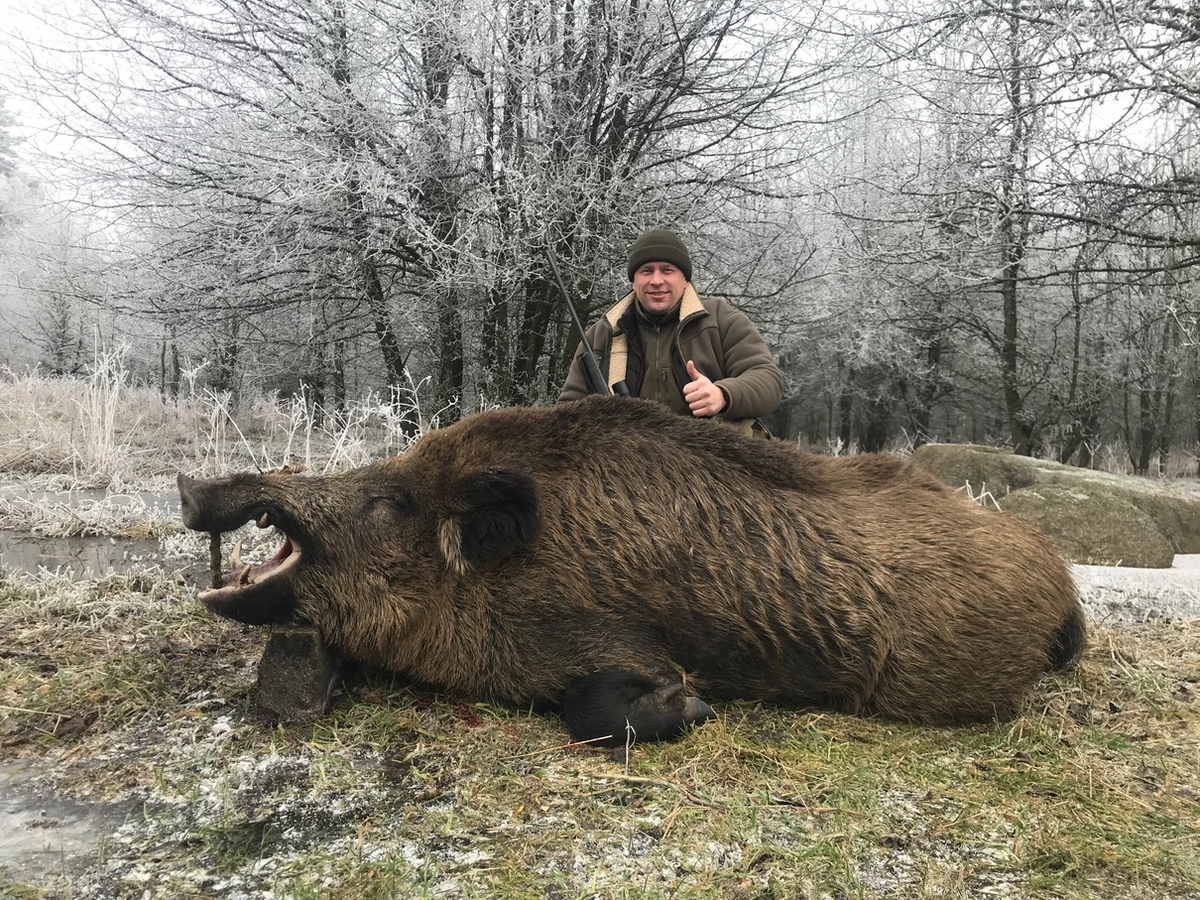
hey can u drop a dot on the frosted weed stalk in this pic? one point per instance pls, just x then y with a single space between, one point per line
273 431
99 454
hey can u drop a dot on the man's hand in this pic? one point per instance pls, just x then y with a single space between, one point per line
702 396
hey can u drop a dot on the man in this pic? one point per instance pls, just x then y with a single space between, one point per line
699 356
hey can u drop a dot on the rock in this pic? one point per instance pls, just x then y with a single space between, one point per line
296 675
1093 528
1097 518
980 469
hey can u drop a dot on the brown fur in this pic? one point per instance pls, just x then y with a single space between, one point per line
518 550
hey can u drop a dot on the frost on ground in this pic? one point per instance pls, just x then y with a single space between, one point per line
132 765
1116 594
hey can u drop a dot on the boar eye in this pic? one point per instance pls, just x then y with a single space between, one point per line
400 501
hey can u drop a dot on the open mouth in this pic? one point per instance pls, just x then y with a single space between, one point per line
242 577
257 594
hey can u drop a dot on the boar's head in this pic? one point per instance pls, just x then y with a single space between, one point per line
377 534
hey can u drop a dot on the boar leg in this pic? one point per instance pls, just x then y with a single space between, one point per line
616 707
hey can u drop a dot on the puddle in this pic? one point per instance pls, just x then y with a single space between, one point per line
22 549
45 835
79 556
82 558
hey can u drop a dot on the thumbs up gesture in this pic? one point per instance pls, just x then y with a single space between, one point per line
702 396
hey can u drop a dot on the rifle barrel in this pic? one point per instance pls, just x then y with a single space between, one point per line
591 365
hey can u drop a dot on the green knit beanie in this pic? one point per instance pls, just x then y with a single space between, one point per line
659 245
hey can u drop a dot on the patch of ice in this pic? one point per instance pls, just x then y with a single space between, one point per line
1126 595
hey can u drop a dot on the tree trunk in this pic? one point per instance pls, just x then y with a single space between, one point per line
450 363
1075 438
338 377
394 359
496 379
1146 430
1013 237
531 339
846 408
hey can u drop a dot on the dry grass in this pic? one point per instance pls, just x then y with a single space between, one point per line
114 515
61 433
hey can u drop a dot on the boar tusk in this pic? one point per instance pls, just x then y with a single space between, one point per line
244 578
235 561
263 521
214 555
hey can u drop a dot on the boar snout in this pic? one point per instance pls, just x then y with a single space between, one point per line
218 504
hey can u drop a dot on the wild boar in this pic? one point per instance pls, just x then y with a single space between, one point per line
587 554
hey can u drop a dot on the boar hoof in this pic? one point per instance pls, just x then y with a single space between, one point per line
615 707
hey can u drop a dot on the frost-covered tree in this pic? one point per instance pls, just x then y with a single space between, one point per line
366 188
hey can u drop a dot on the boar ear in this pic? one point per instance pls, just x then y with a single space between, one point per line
492 514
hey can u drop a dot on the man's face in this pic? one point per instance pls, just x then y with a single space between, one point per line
658 286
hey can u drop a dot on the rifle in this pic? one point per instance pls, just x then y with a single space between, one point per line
591 366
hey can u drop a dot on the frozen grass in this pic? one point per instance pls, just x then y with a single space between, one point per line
124 689
103 433
114 515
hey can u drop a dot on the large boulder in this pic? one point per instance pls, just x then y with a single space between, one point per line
1093 527
1095 517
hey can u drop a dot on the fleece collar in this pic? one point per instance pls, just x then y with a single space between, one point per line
618 353
689 305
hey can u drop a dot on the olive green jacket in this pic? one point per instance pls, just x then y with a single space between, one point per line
718 337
